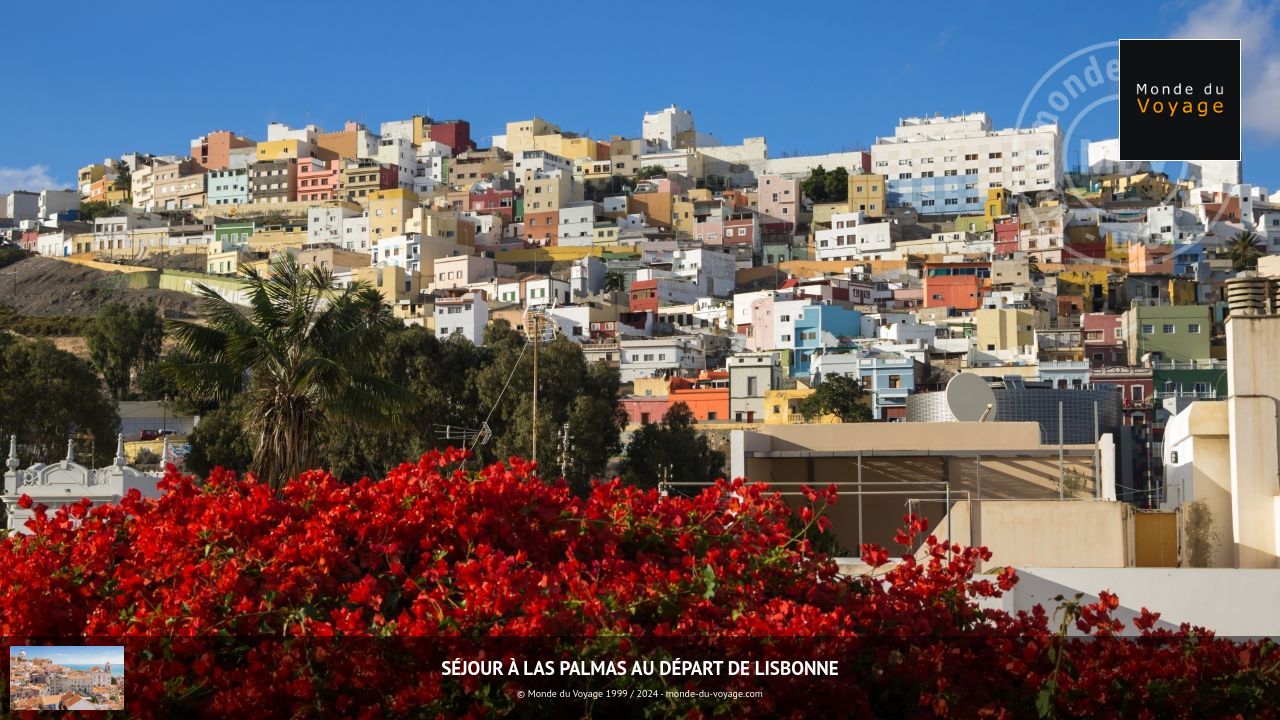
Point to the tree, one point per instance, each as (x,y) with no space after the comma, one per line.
(672,449)
(124,176)
(583,397)
(124,340)
(1244,249)
(220,441)
(837,395)
(46,394)
(90,211)
(824,187)
(438,375)
(651,171)
(614,281)
(303,353)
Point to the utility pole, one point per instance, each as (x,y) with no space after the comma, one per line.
(534,317)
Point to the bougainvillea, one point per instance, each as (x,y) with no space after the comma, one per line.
(333,600)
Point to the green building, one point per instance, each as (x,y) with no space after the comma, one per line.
(1168,332)
(232,234)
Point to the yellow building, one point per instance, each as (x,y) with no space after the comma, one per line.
(997,204)
(1078,280)
(867,194)
(1148,186)
(1007,328)
(274,238)
(283,149)
(605,234)
(395,284)
(390,212)
(88,175)
(782,407)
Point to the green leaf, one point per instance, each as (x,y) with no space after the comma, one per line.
(1044,702)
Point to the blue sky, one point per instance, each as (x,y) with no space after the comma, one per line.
(74,654)
(89,80)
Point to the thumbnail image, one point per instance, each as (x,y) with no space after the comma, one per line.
(66,677)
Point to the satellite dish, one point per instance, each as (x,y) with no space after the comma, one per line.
(970,398)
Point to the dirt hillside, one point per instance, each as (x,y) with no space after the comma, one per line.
(44,286)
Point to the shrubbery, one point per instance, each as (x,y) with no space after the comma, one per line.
(333,600)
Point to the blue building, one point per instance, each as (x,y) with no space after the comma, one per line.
(946,195)
(888,378)
(822,326)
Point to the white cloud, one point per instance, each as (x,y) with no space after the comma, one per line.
(1254,24)
(34,178)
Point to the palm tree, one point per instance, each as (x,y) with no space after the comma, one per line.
(302,353)
(1244,249)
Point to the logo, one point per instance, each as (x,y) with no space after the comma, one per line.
(1180,98)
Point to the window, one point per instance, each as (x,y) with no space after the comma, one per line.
(1136,392)
(926,203)
(952,201)
(904,176)
(895,381)
(971,171)
(1193,328)
(711,415)
(1119,332)
(1148,329)
(927,174)
(1202,389)
(973,156)
(1167,328)
(949,173)
(993,156)
(995,169)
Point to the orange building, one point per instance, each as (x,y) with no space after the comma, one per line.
(1155,259)
(956,285)
(213,151)
(542,228)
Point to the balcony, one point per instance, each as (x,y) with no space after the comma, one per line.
(1189,365)
(1210,394)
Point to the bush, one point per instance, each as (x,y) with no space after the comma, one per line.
(230,597)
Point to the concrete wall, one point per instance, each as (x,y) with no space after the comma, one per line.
(1180,595)
(1045,533)
(1200,482)
(1253,374)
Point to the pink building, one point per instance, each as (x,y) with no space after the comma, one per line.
(760,332)
(779,202)
(317,180)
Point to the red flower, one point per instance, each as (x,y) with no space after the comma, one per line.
(25,501)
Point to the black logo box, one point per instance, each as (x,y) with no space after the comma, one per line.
(1186,68)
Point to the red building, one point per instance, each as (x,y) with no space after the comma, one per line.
(1104,339)
(644,296)
(213,151)
(494,202)
(454,133)
(1005,235)
(960,286)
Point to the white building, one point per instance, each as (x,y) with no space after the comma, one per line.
(946,165)
(1104,159)
(66,482)
(324,223)
(53,202)
(355,232)
(23,205)
(403,251)
(654,357)
(664,128)
(461,271)
(714,272)
(851,237)
(751,375)
(465,315)
(577,224)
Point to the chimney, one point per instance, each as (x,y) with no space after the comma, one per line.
(1251,294)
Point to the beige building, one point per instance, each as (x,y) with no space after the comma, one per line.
(544,192)
(1007,329)
(390,212)
(177,185)
(521,135)
(472,166)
